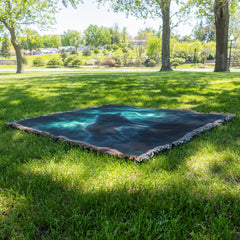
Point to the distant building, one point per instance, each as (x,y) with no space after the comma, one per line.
(82,48)
(48,50)
(102,47)
(33,52)
(137,43)
(67,48)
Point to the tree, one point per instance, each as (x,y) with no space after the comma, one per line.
(154,48)
(144,35)
(31,41)
(51,41)
(186,38)
(15,15)
(144,9)
(115,35)
(63,54)
(221,10)
(5,49)
(97,36)
(165,9)
(234,25)
(72,38)
(124,35)
(205,32)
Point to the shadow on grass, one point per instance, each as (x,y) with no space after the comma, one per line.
(55,92)
(45,204)
(46,208)
(110,198)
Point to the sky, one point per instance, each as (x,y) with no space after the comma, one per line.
(88,13)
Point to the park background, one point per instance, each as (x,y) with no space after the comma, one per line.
(93,36)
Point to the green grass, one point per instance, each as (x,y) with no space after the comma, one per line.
(52,190)
(196,65)
(8,67)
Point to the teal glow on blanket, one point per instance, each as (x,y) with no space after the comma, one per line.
(125,129)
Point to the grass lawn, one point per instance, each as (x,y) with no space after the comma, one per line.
(52,190)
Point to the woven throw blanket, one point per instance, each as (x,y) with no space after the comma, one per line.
(122,130)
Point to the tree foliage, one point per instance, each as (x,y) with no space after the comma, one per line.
(97,36)
(22,13)
(220,10)
(50,41)
(234,25)
(71,38)
(17,15)
(38,62)
(192,51)
(154,48)
(5,49)
(54,62)
(124,35)
(31,40)
(145,9)
(74,3)
(205,32)
(115,35)
(145,34)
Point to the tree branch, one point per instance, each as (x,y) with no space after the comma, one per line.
(5,23)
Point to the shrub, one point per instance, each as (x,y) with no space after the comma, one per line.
(54,62)
(73,61)
(119,60)
(38,62)
(153,48)
(138,62)
(105,52)
(24,60)
(68,60)
(109,48)
(203,59)
(125,50)
(109,61)
(150,62)
(122,45)
(96,50)
(236,55)
(115,46)
(180,54)
(178,60)
(211,57)
(175,64)
(130,63)
(126,59)
(118,52)
(86,52)
(74,51)
(195,56)
(63,54)
(97,62)
(76,62)
(131,46)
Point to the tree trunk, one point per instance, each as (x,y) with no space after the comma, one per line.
(165,8)
(221,12)
(17,48)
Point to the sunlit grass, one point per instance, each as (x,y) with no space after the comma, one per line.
(52,190)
